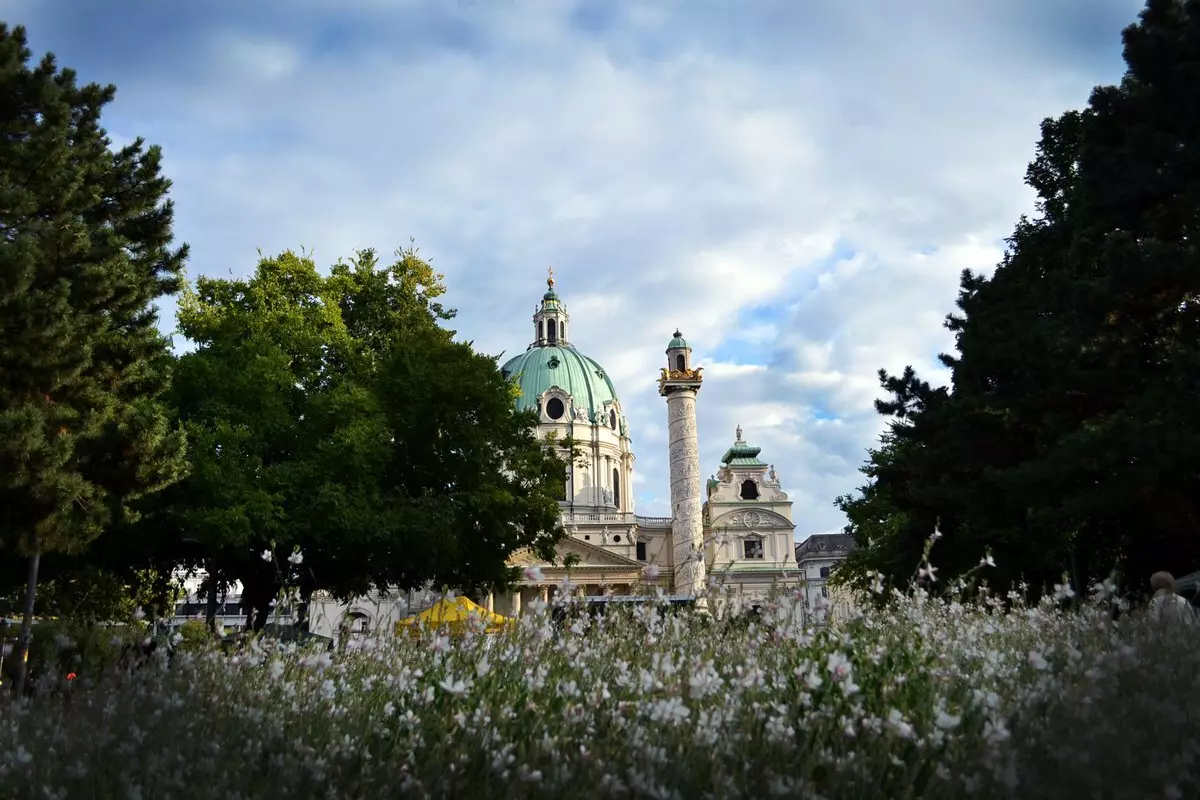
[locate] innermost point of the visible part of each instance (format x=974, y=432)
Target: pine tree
x=85, y=250
x=1069, y=440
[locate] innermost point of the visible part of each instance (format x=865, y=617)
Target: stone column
x=491, y=602
x=545, y=594
x=687, y=524
x=516, y=602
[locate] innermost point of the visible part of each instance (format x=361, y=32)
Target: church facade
x=732, y=533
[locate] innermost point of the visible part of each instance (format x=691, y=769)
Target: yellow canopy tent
x=454, y=614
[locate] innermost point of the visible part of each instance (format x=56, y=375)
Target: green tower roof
x=742, y=454
x=678, y=343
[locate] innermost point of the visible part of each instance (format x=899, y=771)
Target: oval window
x=555, y=408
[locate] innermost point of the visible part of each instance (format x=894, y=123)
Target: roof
x=825, y=545
x=678, y=342
x=540, y=368
x=742, y=454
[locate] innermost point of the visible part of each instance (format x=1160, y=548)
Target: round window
x=555, y=408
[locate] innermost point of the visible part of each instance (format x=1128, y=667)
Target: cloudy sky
x=796, y=184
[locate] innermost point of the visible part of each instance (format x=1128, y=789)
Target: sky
x=796, y=186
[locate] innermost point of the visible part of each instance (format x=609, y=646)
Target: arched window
x=679, y=362
x=616, y=487
x=749, y=490
x=612, y=420
x=541, y=330
x=824, y=572
x=551, y=331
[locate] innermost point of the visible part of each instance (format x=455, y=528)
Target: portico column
x=545, y=594
x=491, y=602
x=516, y=603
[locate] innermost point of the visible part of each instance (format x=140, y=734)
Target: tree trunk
x=27, y=625
x=210, y=606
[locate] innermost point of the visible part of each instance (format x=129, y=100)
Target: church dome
x=542, y=367
x=552, y=361
x=677, y=342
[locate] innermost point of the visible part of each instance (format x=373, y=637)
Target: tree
x=1069, y=441
x=85, y=250
x=336, y=414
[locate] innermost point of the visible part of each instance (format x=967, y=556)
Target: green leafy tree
x=337, y=415
x=1069, y=441
x=85, y=250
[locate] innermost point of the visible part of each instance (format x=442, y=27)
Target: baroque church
x=731, y=534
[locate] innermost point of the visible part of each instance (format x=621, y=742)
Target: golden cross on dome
x=550, y=272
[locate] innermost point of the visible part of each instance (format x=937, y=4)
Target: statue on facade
x=774, y=478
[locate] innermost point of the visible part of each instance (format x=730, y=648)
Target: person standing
x=1166, y=603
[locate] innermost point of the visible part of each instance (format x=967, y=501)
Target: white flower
x=138, y=613
x=1063, y=591
x=455, y=687
x=534, y=574
x=838, y=665
x=651, y=572
x=482, y=668
x=296, y=558
x=987, y=561
x=928, y=571
x=266, y=555
x=946, y=722
x=933, y=537
x=1037, y=661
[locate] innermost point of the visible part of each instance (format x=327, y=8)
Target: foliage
x=925, y=697
x=85, y=593
x=335, y=414
x=64, y=650
x=85, y=250
x=1070, y=434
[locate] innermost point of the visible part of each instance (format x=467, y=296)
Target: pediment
x=592, y=555
x=751, y=519
x=589, y=556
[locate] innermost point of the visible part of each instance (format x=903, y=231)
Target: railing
x=617, y=517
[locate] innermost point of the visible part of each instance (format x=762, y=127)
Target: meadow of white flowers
x=924, y=697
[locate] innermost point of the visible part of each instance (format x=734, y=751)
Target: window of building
x=612, y=420
x=679, y=362
x=824, y=572
x=555, y=408
x=749, y=490
x=616, y=487
x=753, y=548
x=551, y=331
x=641, y=551
x=541, y=330
x=824, y=591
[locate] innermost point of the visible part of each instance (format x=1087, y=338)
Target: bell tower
x=679, y=383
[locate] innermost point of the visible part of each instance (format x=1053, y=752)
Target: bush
x=65, y=647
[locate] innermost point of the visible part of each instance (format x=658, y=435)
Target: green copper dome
x=678, y=343
x=540, y=368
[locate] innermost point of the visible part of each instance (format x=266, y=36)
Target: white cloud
x=676, y=167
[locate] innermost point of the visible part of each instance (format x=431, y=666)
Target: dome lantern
x=551, y=318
